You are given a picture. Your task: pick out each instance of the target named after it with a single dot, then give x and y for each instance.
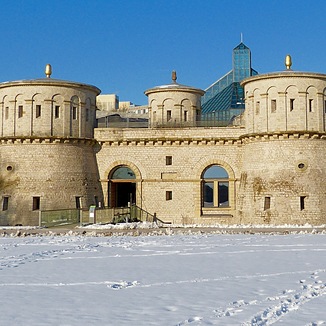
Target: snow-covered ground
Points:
(163, 280)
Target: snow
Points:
(195, 279)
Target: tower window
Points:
(38, 111)
(20, 111)
(302, 202)
(168, 115)
(78, 202)
(87, 114)
(36, 203)
(168, 160)
(291, 104)
(311, 103)
(5, 203)
(74, 113)
(185, 115)
(168, 195)
(273, 105)
(6, 112)
(267, 203)
(57, 112)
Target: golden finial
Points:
(48, 71)
(174, 76)
(288, 62)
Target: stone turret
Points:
(174, 105)
(282, 178)
(46, 148)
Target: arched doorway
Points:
(122, 187)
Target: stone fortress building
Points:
(268, 167)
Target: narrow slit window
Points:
(311, 105)
(185, 115)
(168, 195)
(267, 203)
(87, 114)
(325, 106)
(36, 203)
(6, 112)
(78, 202)
(38, 111)
(273, 105)
(5, 203)
(74, 113)
(291, 104)
(57, 112)
(302, 202)
(20, 111)
(168, 115)
(168, 160)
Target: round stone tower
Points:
(47, 150)
(283, 168)
(174, 105)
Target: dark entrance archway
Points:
(122, 187)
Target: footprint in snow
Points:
(123, 285)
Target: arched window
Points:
(215, 187)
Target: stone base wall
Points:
(55, 170)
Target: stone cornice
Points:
(46, 140)
(292, 135)
(243, 139)
(284, 74)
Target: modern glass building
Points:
(224, 99)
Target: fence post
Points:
(40, 218)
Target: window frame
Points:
(38, 111)
(217, 191)
(36, 205)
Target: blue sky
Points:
(127, 46)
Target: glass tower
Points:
(224, 99)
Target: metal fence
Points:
(59, 217)
(102, 216)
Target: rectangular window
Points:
(38, 111)
(168, 195)
(6, 112)
(36, 203)
(273, 106)
(168, 160)
(5, 203)
(168, 115)
(87, 114)
(267, 203)
(185, 115)
(223, 194)
(78, 202)
(20, 111)
(57, 112)
(311, 103)
(208, 194)
(291, 104)
(74, 113)
(302, 202)
(257, 107)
